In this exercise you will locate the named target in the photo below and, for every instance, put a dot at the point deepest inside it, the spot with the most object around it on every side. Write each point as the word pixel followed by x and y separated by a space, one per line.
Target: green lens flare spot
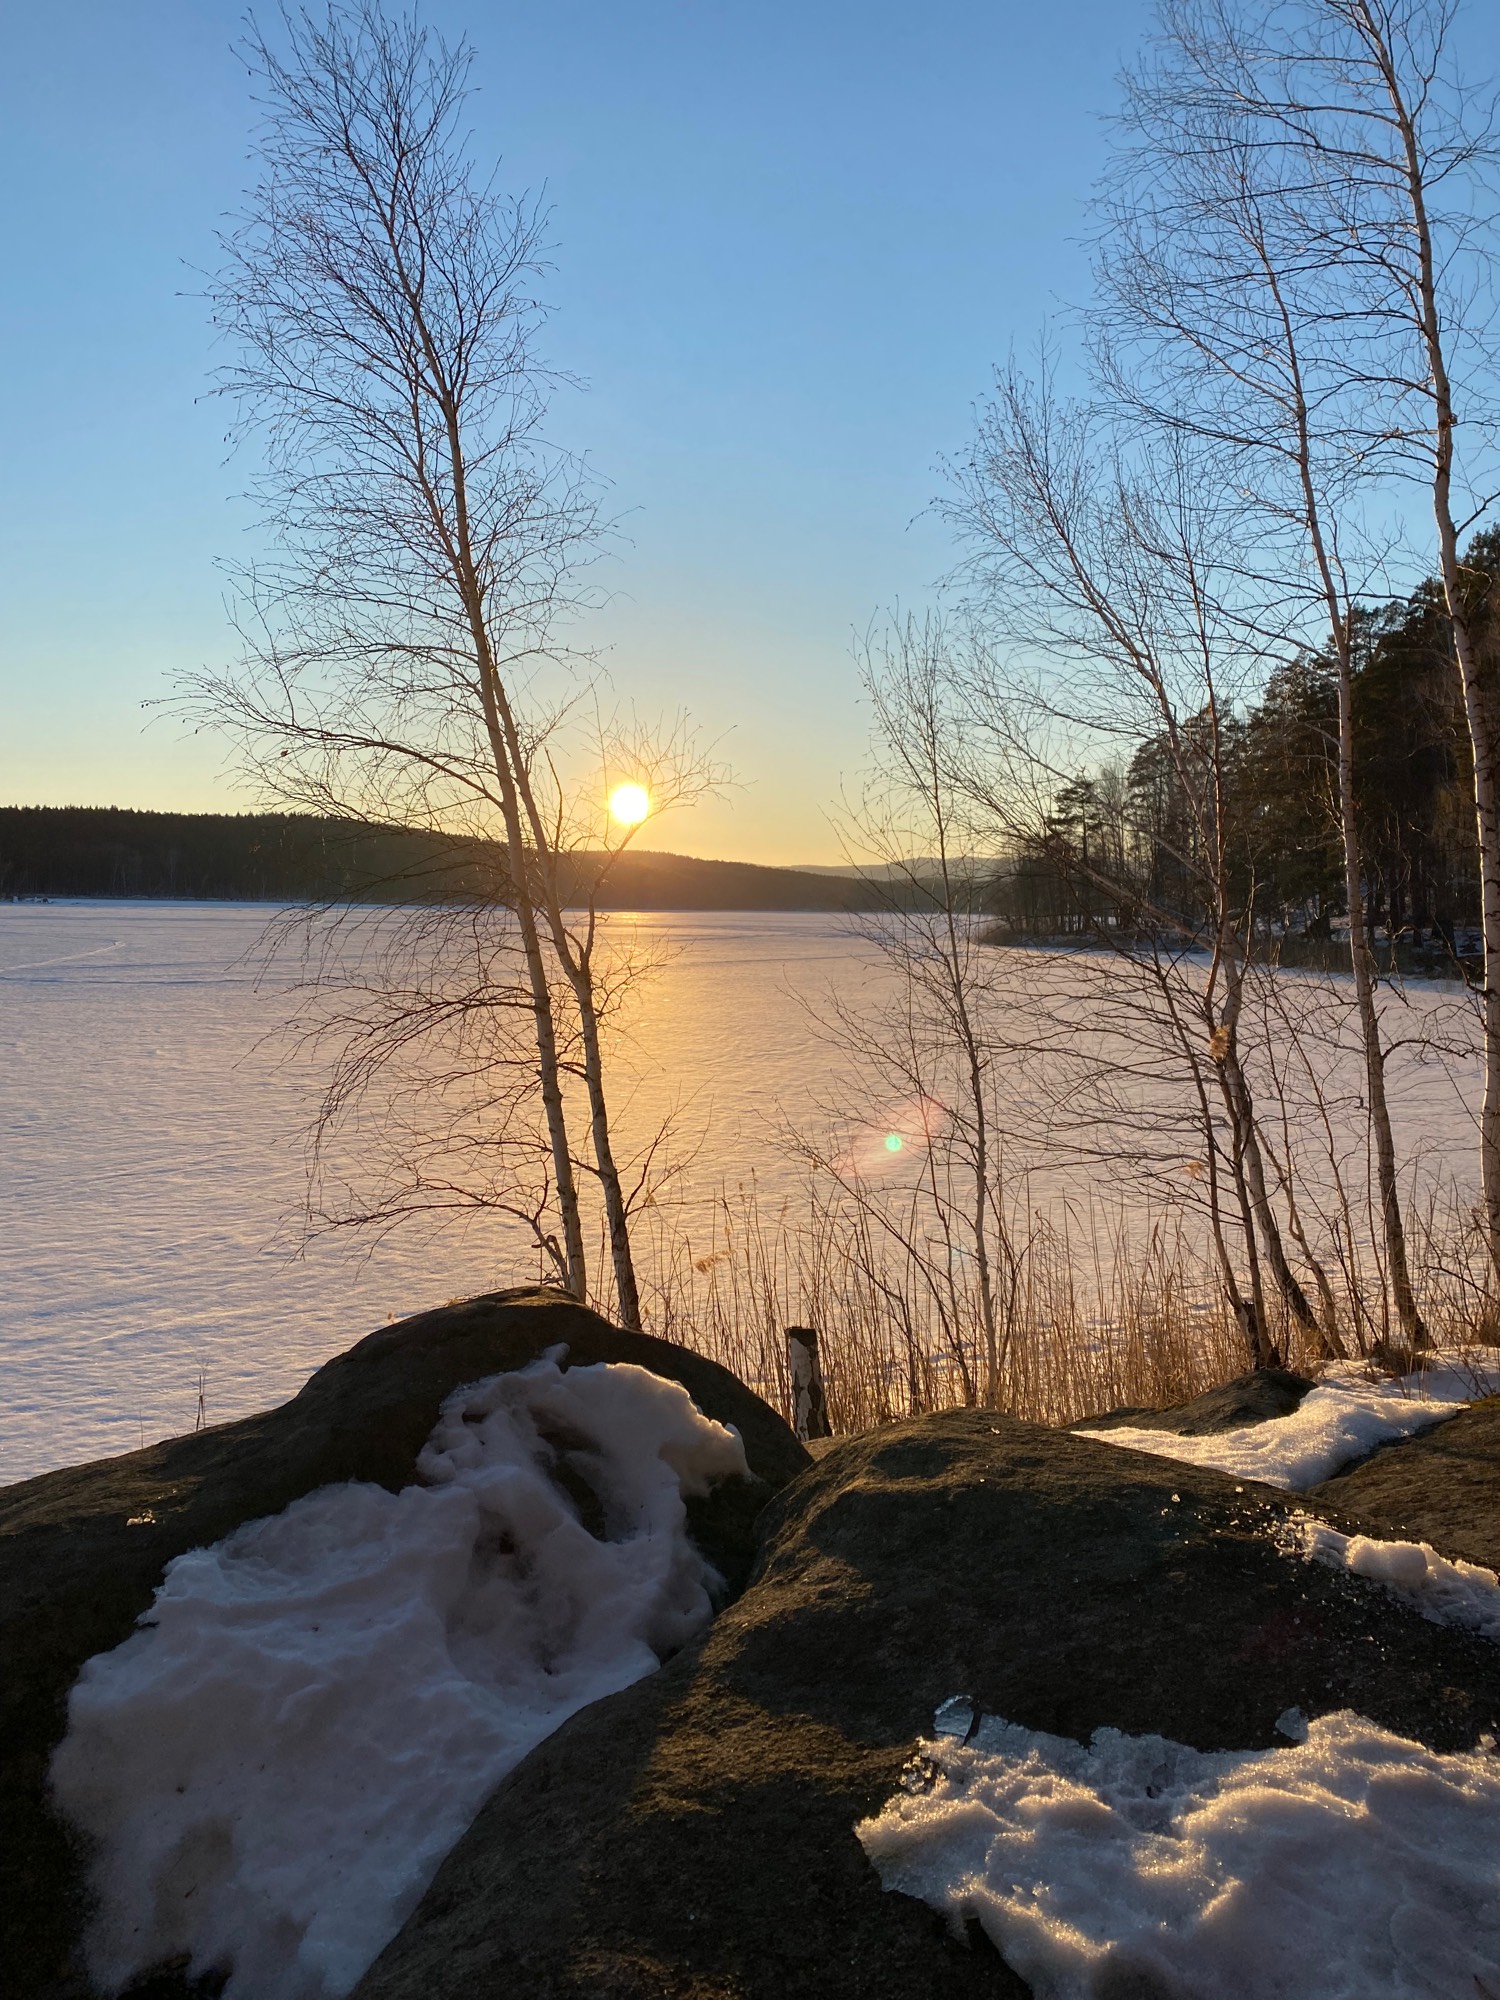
pixel 894 1142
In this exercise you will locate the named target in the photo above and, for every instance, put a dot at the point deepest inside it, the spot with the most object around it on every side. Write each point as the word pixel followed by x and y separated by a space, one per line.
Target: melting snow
pixel 1447 1593
pixel 318 1705
pixel 1343 1418
pixel 1353 1866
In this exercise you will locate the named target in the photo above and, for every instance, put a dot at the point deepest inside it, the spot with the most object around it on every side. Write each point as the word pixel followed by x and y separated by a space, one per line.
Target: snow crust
pixel 1352 1866
pixel 1447 1593
pixel 318 1705
pixel 1344 1417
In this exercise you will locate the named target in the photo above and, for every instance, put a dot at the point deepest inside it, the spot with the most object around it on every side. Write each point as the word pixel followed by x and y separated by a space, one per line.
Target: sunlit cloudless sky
pixel 790 242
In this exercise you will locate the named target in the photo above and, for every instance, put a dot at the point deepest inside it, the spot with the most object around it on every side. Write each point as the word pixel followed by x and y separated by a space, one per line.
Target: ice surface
pixel 1353 1866
pixel 1344 1417
pixel 1448 1593
pixel 153 1108
pixel 151 1120
pixel 274 1767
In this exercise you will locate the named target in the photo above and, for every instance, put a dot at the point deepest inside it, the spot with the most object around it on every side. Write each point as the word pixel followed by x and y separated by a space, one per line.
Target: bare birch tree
pixel 932 1041
pixel 426 538
pixel 1422 145
pixel 422 1024
pixel 1354 134
pixel 1373 92
pixel 1106 579
pixel 1223 313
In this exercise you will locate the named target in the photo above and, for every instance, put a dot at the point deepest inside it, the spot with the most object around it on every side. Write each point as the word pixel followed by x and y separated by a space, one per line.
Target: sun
pixel 629 804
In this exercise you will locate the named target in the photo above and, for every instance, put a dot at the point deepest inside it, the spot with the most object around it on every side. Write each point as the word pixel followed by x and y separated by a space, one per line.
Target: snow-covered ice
pixel 152 1111
pixel 317 1705
pixel 1352 1866
pixel 152 1107
pixel 1447 1593
pixel 1345 1416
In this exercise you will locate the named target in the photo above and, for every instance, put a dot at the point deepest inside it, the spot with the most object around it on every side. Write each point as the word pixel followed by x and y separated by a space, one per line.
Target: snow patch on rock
pixel 272 1770
pixel 1343 1418
pixel 1447 1593
pixel 1353 1866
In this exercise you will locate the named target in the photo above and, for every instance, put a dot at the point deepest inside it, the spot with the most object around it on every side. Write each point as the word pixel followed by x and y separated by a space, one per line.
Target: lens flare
pixel 894 1142
pixel 629 804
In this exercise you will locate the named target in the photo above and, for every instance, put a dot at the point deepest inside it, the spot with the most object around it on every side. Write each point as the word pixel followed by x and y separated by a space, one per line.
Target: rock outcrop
pixel 1257 1398
pixel 693 1837
pixel 82 1550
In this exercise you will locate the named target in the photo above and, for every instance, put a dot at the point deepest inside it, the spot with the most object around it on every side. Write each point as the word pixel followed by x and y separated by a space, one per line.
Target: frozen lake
pixel 152 1152
pixel 153 1149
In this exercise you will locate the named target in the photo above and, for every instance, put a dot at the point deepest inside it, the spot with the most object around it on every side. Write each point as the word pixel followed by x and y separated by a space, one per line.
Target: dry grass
pixel 1093 1321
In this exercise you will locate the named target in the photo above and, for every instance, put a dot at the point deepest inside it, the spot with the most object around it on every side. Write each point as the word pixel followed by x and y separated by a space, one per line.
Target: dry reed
pixel 1096 1318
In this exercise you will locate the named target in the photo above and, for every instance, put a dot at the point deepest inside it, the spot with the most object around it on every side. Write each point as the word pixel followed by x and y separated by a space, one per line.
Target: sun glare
pixel 629 804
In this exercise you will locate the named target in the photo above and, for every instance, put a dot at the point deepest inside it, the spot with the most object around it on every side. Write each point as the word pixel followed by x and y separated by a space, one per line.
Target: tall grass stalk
pixel 1101 1314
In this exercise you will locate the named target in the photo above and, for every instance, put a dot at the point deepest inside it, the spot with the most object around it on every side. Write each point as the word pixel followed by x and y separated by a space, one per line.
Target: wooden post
pixel 809 1405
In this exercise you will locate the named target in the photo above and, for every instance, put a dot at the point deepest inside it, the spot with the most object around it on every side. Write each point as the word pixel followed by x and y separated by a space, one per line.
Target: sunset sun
pixel 629 804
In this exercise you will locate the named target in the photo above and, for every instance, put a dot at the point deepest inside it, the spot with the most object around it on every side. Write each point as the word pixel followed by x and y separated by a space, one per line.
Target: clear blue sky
pixel 791 241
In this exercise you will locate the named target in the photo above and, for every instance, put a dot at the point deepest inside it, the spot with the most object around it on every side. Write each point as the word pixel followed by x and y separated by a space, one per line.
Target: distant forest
pixel 291 858
pixel 1122 836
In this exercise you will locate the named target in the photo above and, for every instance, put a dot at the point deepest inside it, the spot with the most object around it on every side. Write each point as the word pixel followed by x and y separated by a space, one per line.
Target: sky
pixel 791 240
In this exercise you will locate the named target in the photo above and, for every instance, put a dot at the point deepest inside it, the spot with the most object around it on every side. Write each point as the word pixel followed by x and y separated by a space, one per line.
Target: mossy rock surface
pixel 1258 1398
pixel 83 1549
pixel 693 1836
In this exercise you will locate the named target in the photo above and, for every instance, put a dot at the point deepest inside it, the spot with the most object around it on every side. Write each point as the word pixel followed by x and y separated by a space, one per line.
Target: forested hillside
pixel 1120 838
pixel 282 857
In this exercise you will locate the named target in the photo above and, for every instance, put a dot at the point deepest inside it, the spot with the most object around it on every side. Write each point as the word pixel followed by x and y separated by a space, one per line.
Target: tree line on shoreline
pixel 105 851
pixel 1116 840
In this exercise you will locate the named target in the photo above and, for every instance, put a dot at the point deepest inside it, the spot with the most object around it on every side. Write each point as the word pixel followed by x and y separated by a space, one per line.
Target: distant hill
pixel 920 868
pixel 285 857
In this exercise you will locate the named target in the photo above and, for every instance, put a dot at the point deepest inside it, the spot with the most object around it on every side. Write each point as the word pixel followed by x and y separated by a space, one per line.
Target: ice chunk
pixel 956 1717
